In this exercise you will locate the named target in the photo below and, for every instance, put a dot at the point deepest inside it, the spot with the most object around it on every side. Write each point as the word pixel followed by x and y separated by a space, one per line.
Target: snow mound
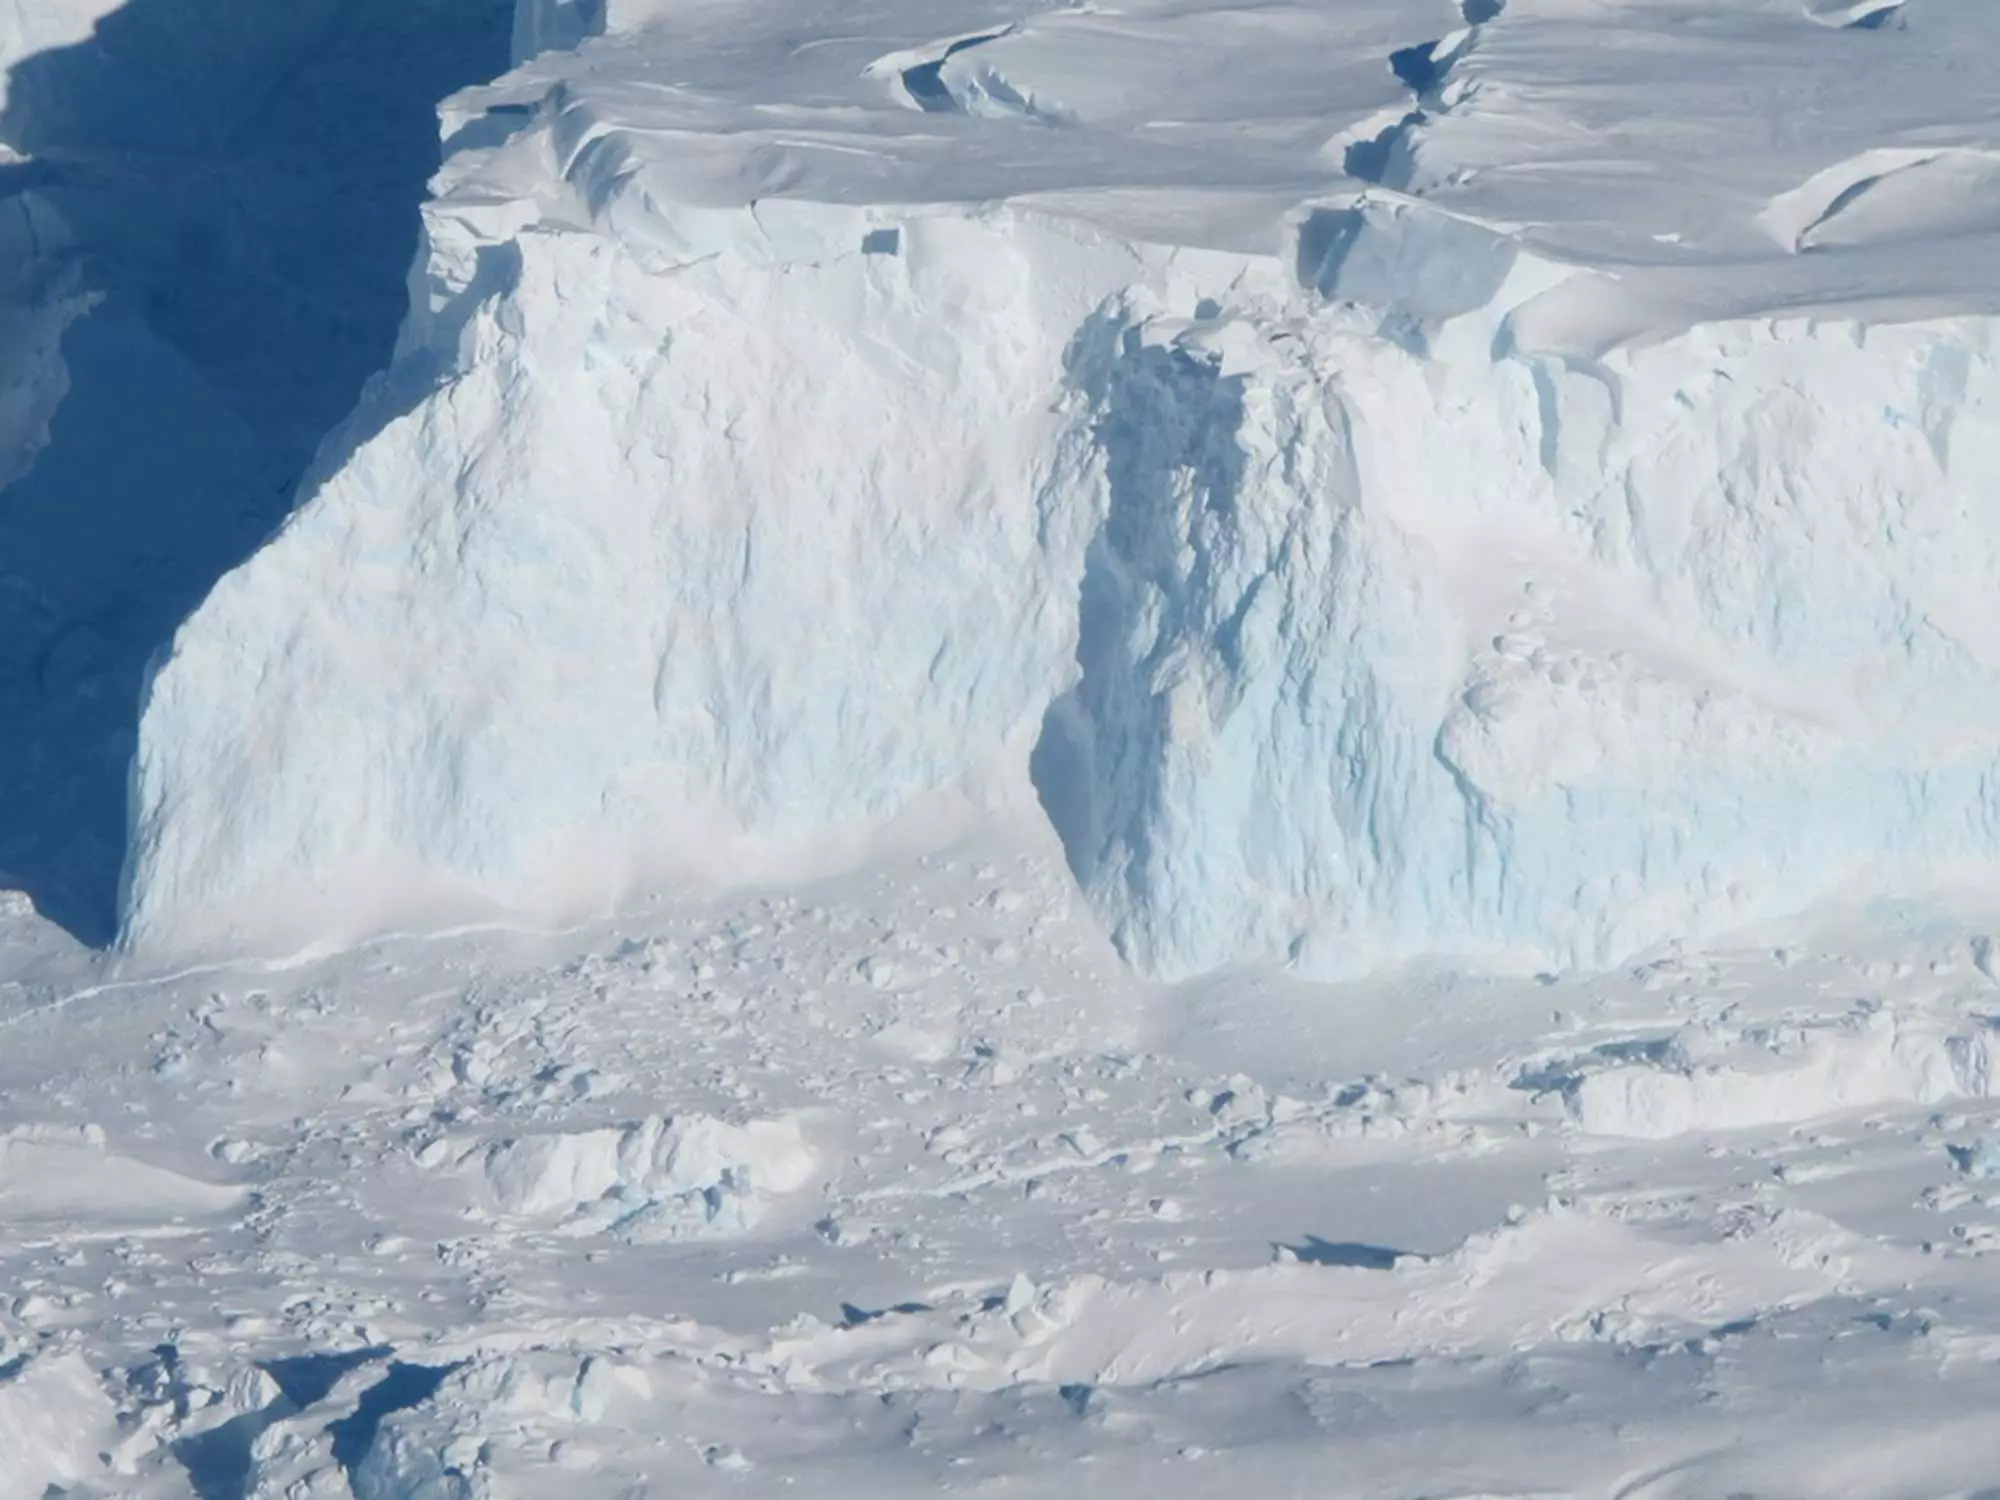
pixel 55 1422
pixel 656 1179
pixel 1780 1075
pixel 1556 1275
pixel 1347 579
pixel 52 1172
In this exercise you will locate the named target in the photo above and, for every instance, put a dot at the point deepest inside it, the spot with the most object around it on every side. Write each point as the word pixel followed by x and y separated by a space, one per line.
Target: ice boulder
pixel 655 1179
pixel 56 1425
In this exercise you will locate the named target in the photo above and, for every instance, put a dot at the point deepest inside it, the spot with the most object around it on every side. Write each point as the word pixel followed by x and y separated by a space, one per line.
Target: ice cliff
pixel 1375 517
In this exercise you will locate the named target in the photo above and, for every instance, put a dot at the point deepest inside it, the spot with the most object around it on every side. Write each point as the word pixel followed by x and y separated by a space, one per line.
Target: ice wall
pixel 554 25
pixel 1388 651
pixel 208 212
pixel 720 564
pixel 1371 593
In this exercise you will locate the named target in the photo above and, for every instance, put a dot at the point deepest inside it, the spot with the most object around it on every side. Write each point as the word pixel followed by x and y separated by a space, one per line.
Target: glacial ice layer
pixel 801 425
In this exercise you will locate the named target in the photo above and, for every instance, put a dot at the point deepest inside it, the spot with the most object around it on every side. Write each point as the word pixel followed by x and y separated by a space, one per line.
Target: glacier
pixel 1372 518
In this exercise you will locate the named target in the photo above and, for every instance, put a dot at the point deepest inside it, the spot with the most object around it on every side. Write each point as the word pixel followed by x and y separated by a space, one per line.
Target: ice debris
pixel 655 1179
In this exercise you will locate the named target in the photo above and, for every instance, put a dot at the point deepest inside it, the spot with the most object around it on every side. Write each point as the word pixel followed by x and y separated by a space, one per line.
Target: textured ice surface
pixel 1381 649
pixel 1386 520
pixel 654 1179
pixel 1778 1075
pixel 54 1420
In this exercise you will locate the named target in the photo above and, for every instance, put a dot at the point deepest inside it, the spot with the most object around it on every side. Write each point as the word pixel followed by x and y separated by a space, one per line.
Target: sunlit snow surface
pixel 944 516
pixel 900 1184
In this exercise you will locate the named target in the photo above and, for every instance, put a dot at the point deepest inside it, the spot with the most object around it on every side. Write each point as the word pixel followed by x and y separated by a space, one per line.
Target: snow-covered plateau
pixel 1179 748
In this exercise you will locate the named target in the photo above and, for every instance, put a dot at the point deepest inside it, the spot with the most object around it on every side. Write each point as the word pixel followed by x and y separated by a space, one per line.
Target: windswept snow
pixel 901 1181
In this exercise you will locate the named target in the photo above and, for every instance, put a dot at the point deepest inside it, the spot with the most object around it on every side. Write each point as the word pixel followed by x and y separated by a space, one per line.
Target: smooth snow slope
pixel 1401 479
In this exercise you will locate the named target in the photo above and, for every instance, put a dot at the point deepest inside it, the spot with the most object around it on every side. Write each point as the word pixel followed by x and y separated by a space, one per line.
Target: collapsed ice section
pixel 1348 578
pixel 654 1179
pixel 1385 651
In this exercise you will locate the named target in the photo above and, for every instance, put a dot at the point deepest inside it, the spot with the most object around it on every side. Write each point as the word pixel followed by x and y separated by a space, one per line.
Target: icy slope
pixel 1382 518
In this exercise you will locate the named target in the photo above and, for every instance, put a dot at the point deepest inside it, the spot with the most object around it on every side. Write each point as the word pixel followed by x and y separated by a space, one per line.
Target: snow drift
pixel 788 436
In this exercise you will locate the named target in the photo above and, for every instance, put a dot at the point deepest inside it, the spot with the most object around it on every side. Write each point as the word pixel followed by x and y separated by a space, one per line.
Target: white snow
pixel 675 1201
pixel 70 1175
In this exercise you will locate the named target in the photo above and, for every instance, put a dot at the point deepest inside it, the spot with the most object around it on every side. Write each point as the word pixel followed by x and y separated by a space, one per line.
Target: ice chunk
pixel 55 1421
pixel 1981 1159
pixel 656 1179
pixel 1778 1077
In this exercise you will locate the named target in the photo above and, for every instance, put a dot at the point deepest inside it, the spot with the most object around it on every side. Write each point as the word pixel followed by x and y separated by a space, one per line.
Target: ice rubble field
pixel 1171 748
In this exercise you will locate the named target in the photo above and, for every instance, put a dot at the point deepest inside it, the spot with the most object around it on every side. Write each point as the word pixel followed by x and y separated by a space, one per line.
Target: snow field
pixel 831 1185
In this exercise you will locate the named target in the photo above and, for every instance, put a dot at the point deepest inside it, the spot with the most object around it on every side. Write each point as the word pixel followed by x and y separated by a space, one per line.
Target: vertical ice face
pixel 1247 755
pixel 1357 635
pixel 1355 574
pixel 1387 651
pixel 671 570
pixel 554 25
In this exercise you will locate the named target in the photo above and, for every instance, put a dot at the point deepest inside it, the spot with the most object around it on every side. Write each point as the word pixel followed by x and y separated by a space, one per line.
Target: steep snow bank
pixel 792 414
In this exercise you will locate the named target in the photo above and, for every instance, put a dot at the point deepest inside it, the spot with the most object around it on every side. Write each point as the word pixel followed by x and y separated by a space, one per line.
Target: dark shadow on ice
pixel 1167 420
pixel 403 1387
pixel 1877 20
pixel 1417 68
pixel 925 82
pixel 231 188
pixel 1348 1253
pixel 852 1316
pixel 308 1378
pixel 219 1461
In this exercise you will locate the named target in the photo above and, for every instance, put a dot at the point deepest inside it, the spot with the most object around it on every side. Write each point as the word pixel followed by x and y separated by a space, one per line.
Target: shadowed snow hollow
pixel 208 210
pixel 780 442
